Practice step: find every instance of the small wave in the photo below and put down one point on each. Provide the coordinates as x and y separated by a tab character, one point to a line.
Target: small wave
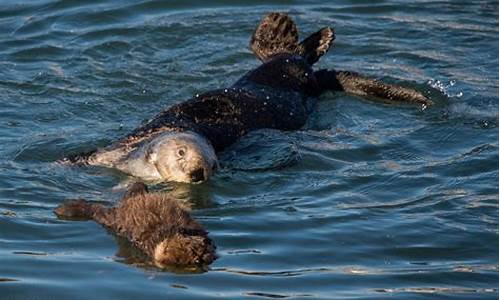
107	48
485	117
8	279
276	296
289	273
438	290
261	150
246	251
436	24
371	271
32	253
43	52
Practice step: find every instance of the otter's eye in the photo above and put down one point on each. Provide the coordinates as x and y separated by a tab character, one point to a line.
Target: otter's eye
181	152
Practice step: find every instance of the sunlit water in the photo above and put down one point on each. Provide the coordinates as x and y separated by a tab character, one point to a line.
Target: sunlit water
368	201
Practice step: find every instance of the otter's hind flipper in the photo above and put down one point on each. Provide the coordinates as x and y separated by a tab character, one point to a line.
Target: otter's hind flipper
276	34
82	210
359	85
316	45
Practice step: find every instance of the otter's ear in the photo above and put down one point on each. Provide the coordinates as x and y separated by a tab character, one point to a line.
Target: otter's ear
136	189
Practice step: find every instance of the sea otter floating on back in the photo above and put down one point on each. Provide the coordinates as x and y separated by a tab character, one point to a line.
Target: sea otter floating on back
180	144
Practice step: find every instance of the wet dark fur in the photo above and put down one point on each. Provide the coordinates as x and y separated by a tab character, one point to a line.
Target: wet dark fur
275	95
147	219
279	94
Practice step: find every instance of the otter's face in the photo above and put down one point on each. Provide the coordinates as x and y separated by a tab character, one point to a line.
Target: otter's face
183	157
184	250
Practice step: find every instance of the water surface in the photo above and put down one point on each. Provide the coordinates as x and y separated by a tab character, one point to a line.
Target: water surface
368	201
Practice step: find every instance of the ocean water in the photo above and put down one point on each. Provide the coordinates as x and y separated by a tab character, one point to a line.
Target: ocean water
368	201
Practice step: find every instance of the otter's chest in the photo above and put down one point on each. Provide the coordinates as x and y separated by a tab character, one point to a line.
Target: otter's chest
227	114
249	107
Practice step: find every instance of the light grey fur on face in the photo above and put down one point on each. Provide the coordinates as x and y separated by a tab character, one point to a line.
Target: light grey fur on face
170	156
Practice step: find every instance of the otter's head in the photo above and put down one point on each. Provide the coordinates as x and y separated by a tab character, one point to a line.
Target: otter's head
184	250
182	157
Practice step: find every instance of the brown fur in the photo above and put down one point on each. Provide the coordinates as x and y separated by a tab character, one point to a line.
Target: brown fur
356	84
277	34
154	223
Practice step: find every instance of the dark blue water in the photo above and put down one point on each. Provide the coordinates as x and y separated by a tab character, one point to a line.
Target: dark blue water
368	201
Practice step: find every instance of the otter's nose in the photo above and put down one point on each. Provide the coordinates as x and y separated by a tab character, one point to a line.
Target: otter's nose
197	175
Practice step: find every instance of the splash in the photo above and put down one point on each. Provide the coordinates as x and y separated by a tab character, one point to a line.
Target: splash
445	88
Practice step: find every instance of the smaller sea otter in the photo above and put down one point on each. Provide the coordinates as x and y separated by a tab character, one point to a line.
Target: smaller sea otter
153	223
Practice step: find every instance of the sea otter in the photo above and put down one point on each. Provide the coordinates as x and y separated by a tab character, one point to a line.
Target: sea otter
180	144
154	223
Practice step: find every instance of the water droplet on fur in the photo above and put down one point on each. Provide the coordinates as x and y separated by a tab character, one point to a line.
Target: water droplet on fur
267	97
287	60
265	103
424	107
144	91
306	74
225	91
